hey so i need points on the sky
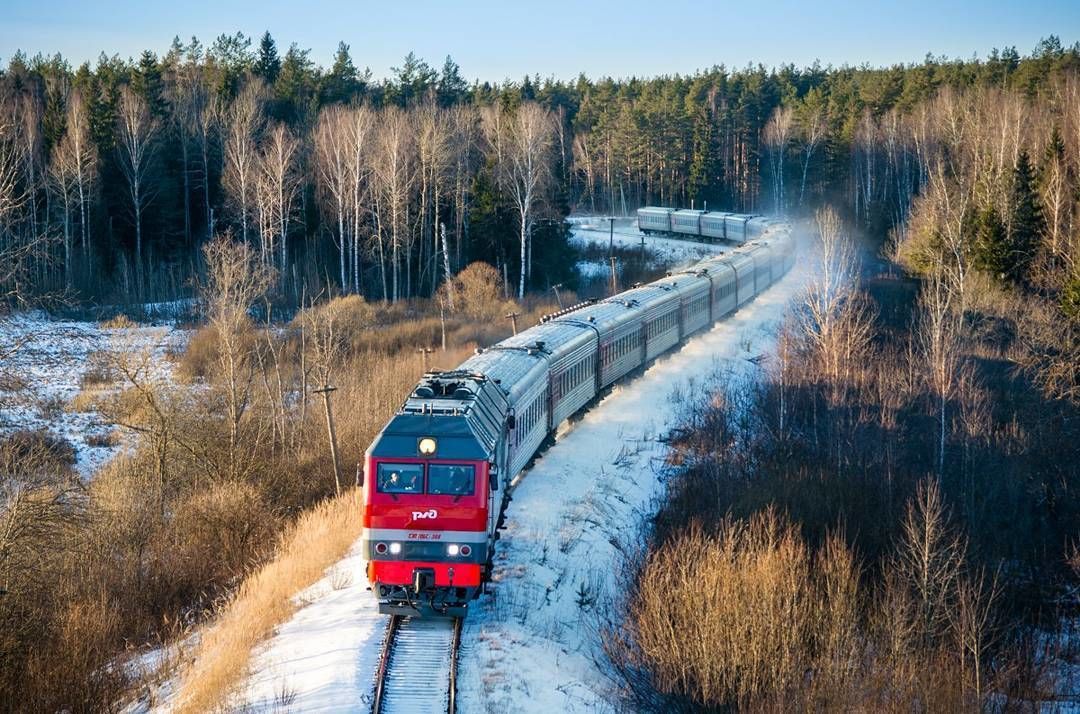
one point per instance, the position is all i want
(496, 40)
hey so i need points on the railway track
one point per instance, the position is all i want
(417, 669)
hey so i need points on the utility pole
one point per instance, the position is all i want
(325, 392)
(558, 298)
(614, 283)
(425, 351)
(512, 317)
(611, 237)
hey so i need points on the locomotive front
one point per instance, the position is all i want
(428, 485)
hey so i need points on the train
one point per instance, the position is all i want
(733, 227)
(436, 478)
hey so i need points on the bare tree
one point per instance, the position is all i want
(434, 134)
(522, 147)
(334, 176)
(235, 279)
(82, 158)
(835, 321)
(359, 137)
(777, 135)
(395, 175)
(812, 128)
(243, 127)
(136, 143)
(938, 341)
(279, 186)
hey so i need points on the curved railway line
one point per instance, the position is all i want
(417, 665)
(417, 670)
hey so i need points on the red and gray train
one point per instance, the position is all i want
(437, 476)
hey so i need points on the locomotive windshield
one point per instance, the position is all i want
(451, 480)
(400, 478)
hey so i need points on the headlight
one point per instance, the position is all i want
(427, 446)
(465, 550)
(380, 548)
(395, 548)
(451, 549)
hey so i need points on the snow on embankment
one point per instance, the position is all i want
(526, 646)
(44, 362)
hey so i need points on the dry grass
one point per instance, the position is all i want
(118, 322)
(317, 540)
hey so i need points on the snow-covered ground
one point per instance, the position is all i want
(527, 645)
(672, 251)
(44, 361)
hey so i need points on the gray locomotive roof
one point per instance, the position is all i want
(689, 212)
(657, 208)
(515, 370)
(557, 337)
(455, 436)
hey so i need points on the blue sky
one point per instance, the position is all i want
(498, 40)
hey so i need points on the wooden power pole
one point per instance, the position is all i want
(325, 392)
(512, 317)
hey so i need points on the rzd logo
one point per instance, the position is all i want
(421, 515)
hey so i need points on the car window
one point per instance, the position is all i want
(400, 478)
(451, 479)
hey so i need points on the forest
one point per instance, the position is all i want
(113, 174)
(331, 225)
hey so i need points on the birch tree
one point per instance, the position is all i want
(523, 146)
(395, 175)
(279, 186)
(777, 136)
(136, 144)
(333, 175)
(243, 125)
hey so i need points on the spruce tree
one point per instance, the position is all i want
(991, 244)
(267, 64)
(340, 83)
(147, 82)
(1027, 223)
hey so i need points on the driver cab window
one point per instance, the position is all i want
(400, 478)
(451, 480)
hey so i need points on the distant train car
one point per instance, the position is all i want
(436, 477)
(686, 222)
(652, 219)
(757, 226)
(735, 226)
(712, 225)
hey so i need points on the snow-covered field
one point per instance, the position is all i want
(527, 646)
(44, 362)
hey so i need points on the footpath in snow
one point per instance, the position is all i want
(526, 646)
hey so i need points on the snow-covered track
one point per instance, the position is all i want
(417, 666)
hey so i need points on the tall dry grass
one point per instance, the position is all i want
(315, 541)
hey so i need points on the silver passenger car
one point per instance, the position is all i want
(653, 219)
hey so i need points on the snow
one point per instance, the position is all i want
(324, 658)
(674, 252)
(45, 360)
(527, 646)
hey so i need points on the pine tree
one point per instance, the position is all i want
(1027, 223)
(451, 88)
(992, 251)
(340, 83)
(267, 64)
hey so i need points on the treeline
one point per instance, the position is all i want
(117, 172)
